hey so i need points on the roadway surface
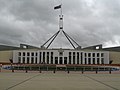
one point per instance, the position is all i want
(58, 81)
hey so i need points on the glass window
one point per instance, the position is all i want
(28, 54)
(81, 58)
(85, 54)
(65, 60)
(69, 59)
(73, 59)
(36, 60)
(89, 54)
(23, 59)
(32, 54)
(61, 60)
(102, 60)
(73, 53)
(98, 54)
(77, 57)
(51, 59)
(102, 54)
(43, 57)
(93, 54)
(19, 53)
(40, 57)
(47, 53)
(51, 53)
(85, 60)
(27, 60)
(47, 59)
(19, 59)
(89, 60)
(23, 53)
(36, 53)
(32, 60)
(56, 60)
(69, 53)
(98, 61)
(93, 60)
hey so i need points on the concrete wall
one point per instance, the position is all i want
(34, 56)
(5, 56)
(115, 56)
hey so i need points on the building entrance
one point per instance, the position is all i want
(60, 60)
(61, 67)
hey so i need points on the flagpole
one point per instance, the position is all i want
(61, 10)
(61, 19)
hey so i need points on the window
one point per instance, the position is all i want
(81, 58)
(47, 53)
(77, 57)
(85, 60)
(69, 53)
(73, 53)
(32, 54)
(40, 57)
(32, 60)
(56, 60)
(65, 60)
(51, 53)
(36, 60)
(73, 59)
(98, 54)
(19, 54)
(61, 60)
(47, 59)
(85, 54)
(98, 61)
(36, 53)
(89, 54)
(23, 53)
(102, 54)
(93, 60)
(93, 54)
(89, 60)
(43, 57)
(69, 59)
(102, 60)
(28, 54)
(19, 59)
(23, 59)
(27, 60)
(51, 57)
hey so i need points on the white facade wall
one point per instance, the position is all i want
(45, 56)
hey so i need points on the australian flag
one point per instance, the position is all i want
(57, 7)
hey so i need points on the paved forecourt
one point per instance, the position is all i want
(58, 81)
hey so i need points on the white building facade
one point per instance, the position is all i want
(60, 56)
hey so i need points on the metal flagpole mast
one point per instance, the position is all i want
(61, 19)
(60, 30)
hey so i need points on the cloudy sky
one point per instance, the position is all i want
(88, 22)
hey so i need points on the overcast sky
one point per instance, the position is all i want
(88, 22)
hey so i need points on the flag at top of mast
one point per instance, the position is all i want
(57, 7)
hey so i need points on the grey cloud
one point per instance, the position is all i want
(34, 21)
